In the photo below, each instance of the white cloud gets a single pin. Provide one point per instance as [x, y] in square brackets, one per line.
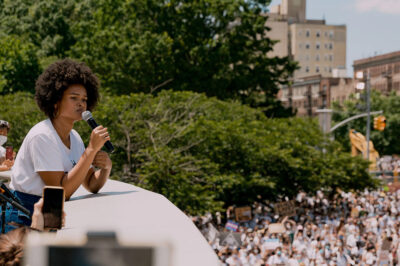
[381, 6]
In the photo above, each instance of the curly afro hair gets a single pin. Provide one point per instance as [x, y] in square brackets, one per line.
[52, 83]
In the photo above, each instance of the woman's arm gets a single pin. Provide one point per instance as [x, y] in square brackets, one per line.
[78, 173]
[95, 180]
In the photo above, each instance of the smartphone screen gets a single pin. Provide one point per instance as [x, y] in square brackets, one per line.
[53, 203]
[9, 153]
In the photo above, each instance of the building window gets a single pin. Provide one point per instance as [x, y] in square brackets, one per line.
[317, 57]
[331, 34]
[326, 34]
[330, 46]
[317, 69]
[397, 68]
[307, 69]
[307, 57]
[331, 57]
[318, 45]
[299, 32]
[330, 69]
[307, 33]
[318, 33]
[307, 46]
[396, 85]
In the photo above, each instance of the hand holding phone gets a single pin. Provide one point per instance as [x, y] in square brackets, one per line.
[53, 205]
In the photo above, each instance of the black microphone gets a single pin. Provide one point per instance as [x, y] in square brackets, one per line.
[87, 116]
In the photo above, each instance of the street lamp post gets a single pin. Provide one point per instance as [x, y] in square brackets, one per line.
[368, 85]
[365, 84]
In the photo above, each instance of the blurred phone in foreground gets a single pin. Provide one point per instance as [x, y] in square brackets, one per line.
[53, 204]
[96, 249]
[9, 153]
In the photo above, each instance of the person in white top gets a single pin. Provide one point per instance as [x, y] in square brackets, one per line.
[278, 258]
[53, 153]
[5, 164]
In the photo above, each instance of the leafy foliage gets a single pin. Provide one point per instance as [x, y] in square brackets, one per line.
[19, 65]
[212, 152]
[46, 24]
[215, 47]
[22, 112]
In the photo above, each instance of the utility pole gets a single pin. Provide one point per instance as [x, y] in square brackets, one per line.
[368, 85]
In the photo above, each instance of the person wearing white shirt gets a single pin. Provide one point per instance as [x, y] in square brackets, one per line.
[5, 164]
[278, 258]
[52, 152]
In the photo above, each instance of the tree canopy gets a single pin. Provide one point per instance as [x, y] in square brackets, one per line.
[217, 47]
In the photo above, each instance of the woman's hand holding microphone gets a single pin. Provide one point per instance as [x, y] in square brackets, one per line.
[98, 137]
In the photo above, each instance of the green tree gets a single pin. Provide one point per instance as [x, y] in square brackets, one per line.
[216, 47]
[46, 24]
[180, 140]
[19, 65]
[21, 111]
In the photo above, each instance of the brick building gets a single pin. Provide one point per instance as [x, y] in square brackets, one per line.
[315, 92]
[384, 71]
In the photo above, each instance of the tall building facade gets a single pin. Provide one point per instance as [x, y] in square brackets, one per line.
[319, 48]
[384, 71]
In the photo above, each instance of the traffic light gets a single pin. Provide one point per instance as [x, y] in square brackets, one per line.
[380, 123]
[376, 122]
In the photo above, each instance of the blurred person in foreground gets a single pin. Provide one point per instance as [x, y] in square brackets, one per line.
[52, 152]
[12, 243]
[5, 164]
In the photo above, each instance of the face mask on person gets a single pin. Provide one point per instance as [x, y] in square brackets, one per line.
[279, 253]
[3, 139]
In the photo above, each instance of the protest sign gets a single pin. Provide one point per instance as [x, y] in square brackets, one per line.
[271, 243]
[285, 208]
[243, 214]
[232, 226]
[276, 228]
[386, 244]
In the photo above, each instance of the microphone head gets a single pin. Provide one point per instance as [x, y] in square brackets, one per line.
[86, 115]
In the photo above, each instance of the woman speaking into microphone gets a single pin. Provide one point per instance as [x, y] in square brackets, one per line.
[53, 153]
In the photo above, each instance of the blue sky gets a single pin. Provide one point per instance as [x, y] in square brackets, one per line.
[373, 26]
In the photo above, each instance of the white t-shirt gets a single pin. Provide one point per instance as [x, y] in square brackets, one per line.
[2, 152]
[43, 150]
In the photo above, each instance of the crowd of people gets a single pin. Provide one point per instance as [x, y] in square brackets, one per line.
[350, 229]
[388, 164]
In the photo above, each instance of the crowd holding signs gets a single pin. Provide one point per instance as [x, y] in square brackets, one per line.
[350, 229]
